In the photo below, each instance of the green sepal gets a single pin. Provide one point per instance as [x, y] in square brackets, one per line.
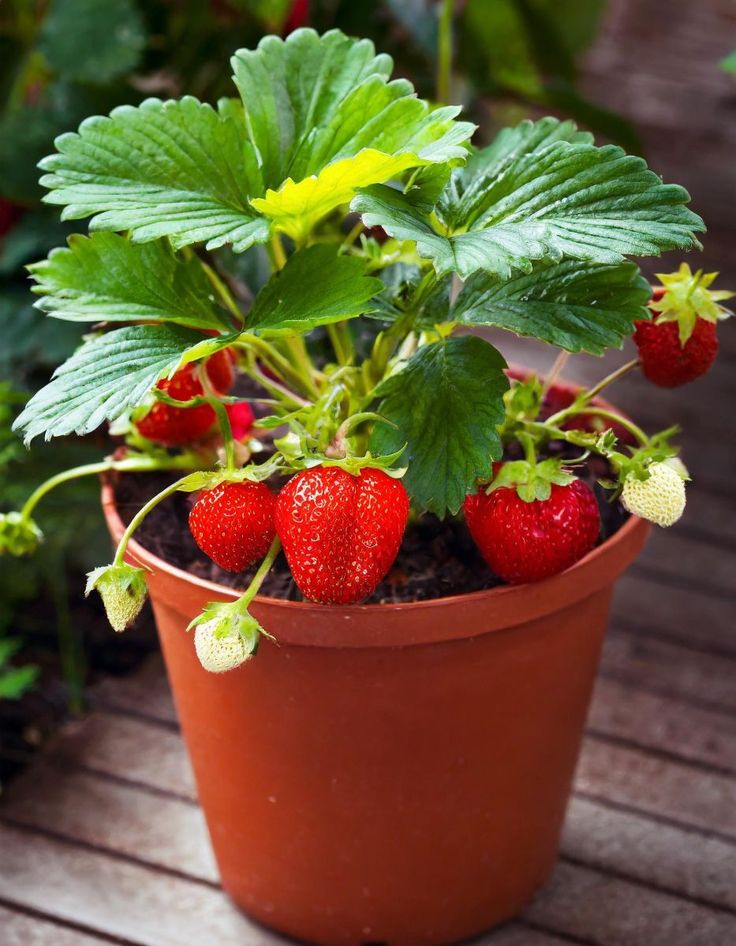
[532, 481]
[123, 591]
[687, 298]
[19, 535]
[636, 464]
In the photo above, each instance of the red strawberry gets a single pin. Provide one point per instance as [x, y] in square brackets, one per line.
[680, 343]
[298, 16]
[527, 541]
[173, 426]
[233, 523]
[340, 532]
[10, 214]
[241, 418]
[665, 361]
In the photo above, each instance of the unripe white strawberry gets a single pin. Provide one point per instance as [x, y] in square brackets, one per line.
[660, 498]
[219, 654]
[123, 592]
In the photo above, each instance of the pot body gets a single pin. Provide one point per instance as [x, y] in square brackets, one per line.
[391, 774]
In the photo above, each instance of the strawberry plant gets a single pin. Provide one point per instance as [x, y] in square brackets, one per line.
[363, 395]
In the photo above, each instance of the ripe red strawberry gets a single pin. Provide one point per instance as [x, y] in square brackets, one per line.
[173, 426]
[241, 418]
[528, 541]
[233, 523]
[680, 343]
[340, 532]
[665, 361]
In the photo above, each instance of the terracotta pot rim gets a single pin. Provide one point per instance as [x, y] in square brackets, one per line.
[481, 611]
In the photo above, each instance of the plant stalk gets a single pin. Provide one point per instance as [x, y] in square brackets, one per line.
[263, 569]
[185, 461]
[444, 52]
[140, 516]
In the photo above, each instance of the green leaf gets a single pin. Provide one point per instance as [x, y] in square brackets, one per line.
[318, 120]
[92, 40]
[445, 404]
[469, 190]
[107, 278]
[14, 683]
[576, 306]
[325, 120]
[567, 199]
[107, 376]
[315, 287]
[177, 169]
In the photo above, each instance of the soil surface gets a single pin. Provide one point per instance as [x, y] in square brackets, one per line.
[436, 558]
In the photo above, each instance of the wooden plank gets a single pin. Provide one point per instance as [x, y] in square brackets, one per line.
[695, 561]
[136, 904]
[79, 805]
[118, 898]
[170, 834]
[632, 777]
[650, 721]
[674, 859]
[645, 605]
[145, 692]
[667, 668]
[605, 910]
[131, 750]
[21, 930]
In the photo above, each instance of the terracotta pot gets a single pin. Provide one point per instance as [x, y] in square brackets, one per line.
[391, 773]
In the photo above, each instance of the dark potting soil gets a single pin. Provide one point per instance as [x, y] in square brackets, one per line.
[436, 559]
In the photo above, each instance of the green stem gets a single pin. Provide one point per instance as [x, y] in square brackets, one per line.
[71, 646]
[223, 419]
[273, 387]
[444, 52]
[222, 291]
[270, 356]
[302, 361]
[339, 336]
[185, 461]
[263, 569]
[353, 235]
[621, 421]
[140, 516]
[278, 254]
[587, 396]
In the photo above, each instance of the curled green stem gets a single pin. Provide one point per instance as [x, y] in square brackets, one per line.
[185, 461]
[140, 516]
[581, 402]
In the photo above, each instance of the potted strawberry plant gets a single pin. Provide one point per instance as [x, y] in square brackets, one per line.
[339, 472]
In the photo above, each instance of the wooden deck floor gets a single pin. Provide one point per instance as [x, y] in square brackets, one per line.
[102, 840]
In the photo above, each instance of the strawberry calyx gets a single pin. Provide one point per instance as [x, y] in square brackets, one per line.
[532, 480]
[687, 298]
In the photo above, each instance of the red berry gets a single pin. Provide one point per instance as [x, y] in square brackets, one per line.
[667, 363]
[340, 532]
[173, 426]
[530, 541]
[298, 16]
[233, 523]
[241, 418]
